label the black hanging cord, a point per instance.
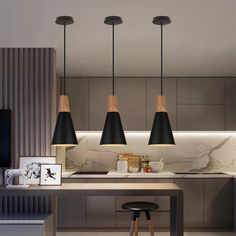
(113, 62)
(64, 77)
(161, 58)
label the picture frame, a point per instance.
(32, 166)
(50, 174)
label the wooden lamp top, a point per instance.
(64, 105)
(112, 104)
(161, 104)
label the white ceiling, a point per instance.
(199, 42)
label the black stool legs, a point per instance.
(135, 223)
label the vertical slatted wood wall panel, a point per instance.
(28, 88)
(25, 204)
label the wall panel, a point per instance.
(27, 87)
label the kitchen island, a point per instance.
(171, 190)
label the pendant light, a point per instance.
(161, 133)
(64, 133)
(113, 133)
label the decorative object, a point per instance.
(113, 133)
(64, 133)
(10, 175)
(161, 133)
(31, 166)
(50, 174)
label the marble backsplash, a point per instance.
(204, 151)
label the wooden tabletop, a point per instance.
(105, 188)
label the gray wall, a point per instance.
(27, 87)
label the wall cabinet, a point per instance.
(193, 104)
(77, 90)
(131, 93)
(99, 90)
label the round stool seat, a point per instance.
(140, 206)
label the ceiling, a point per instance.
(200, 41)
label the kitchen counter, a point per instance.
(171, 175)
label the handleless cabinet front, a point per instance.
(71, 208)
(193, 201)
(131, 94)
(160, 218)
(101, 209)
(99, 90)
(218, 203)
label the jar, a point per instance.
(122, 165)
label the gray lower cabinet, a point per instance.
(193, 201)
(218, 203)
(160, 218)
(71, 210)
(101, 209)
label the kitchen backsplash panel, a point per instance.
(213, 151)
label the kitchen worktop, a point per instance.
(114, 174)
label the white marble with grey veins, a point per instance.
(213, 151)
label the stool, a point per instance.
(136, 208)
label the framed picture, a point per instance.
(31, 166)
(50, 174)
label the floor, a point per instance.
(142, 234)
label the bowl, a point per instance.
(156, 166)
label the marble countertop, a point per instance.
(114, 174)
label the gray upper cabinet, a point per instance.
(201, 104)
(193, 104)
(77, 90)
(99, 90)
(131, 94)
(169, 91)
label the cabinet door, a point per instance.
(99, 90)
(100, 209)
(71, 209)
(153, 90)
(218, 203)
(160, 218)
(193, 202)
(201, 104)
(131, 94)
(77, 90)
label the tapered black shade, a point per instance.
(113, 133)
(64, 133)
(161, 133)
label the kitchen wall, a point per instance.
(207, 151)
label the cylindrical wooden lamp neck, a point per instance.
(64, 105)
(161, 104)
(112, 104)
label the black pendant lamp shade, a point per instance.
(113, 133)
(64, 133)
(161, 133)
